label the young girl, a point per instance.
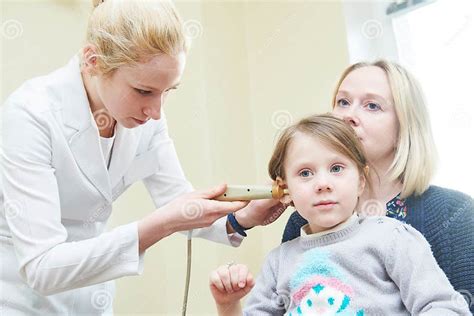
(342, 263)
(386, 107)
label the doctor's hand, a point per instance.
(260, 212)
(192, 210)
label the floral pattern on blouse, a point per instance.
(396, 208)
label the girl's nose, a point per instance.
(322, 184)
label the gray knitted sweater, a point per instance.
(372, 266)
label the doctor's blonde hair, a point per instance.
(415, 154)
(127, 32)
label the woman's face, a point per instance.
(132, 95)
(365, 101)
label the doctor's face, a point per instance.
(134, 94)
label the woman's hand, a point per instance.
(229, 284)
(192, 210)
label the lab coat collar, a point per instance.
(83, 134)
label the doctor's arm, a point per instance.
(49, 260)
(169, 183)
(195, 210)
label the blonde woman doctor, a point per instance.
(73, 141)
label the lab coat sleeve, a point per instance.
(47, 262)
(170, 182)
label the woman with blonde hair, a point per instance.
(385, 106)
(73, 141)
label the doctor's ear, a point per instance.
(285, 199)
(89, 60)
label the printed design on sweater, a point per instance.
(318, 288)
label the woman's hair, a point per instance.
(415, 154)
(330, 130)
(127, 32)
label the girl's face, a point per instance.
(323, 184)
(365, 101)
(132, 95)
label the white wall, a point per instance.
(369, 30)
(434, 41)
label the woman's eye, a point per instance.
(337, 168)
(342, 102)
(142, 92)
(373, 106)
(305, 173)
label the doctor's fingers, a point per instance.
(191, 213)
(222, 208)
(209, 193)
(206, 212)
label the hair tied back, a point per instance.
(96, 3)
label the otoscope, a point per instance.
(252, 192)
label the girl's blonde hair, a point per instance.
(415, 154)
(127, 32)
(330, 130)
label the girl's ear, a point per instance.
(285, 199)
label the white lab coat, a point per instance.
(57, 195)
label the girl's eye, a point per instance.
(142, 92)
(337, 168)
(305, 173)
(373, 106)
(343, 102)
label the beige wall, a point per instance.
(255, 67)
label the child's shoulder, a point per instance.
(380, 223)
(382, 228)
(281, 255)
(285, 250)
(286, 247)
